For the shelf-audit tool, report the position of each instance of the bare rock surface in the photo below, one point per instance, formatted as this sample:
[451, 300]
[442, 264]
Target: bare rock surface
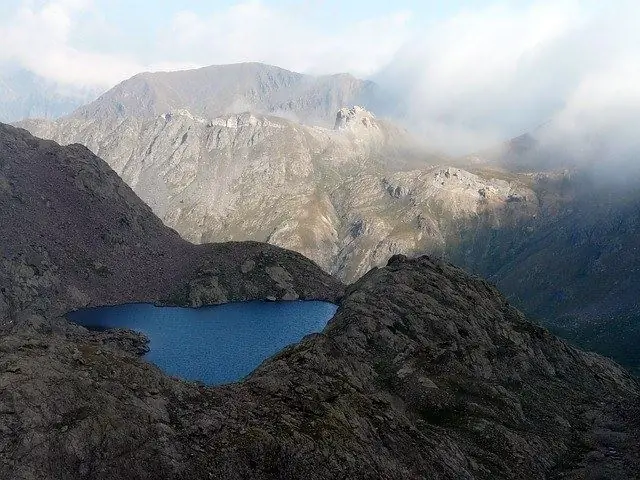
[424, 372]
[348, 197]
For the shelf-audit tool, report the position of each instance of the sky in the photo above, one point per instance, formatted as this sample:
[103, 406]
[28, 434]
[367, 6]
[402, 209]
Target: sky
[471, 72]
[100, 42]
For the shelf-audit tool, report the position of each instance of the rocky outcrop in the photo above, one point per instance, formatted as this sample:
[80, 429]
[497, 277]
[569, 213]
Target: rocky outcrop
[424, 372]
[354, 118]
[239, 271]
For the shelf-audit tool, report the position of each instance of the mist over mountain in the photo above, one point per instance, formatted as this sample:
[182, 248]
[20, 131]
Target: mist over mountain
[221, 89]
[463, 79]
[25, 95]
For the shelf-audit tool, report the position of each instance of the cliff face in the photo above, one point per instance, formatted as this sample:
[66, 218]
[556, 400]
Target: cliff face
[424, 372]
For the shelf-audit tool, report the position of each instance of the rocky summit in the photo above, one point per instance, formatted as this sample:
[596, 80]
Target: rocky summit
[224, 89]
[424, 371]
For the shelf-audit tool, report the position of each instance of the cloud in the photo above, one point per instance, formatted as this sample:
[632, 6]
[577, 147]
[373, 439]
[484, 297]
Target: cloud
[465, 82]
[604, 105]
[253, 31]
[478, 76]
[37, 37]
[489, 74]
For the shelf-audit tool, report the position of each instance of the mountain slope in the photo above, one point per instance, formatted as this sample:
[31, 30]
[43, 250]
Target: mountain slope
[424, 372]
[576, 266]
[347, 197]
[74, 235]
[236, 88]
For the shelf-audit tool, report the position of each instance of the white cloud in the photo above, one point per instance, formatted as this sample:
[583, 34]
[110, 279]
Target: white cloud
[37, 38]
[473, 76]
[468, 81]
[599, 121]
[253, 31]
[489, 74]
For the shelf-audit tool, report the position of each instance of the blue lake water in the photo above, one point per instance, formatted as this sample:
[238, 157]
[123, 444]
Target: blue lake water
[214, 345]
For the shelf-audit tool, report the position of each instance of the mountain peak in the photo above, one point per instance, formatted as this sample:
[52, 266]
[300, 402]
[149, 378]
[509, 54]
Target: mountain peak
[353, 118]
[216, 90]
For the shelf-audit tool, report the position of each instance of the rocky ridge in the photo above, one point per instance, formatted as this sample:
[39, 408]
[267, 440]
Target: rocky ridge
[348, 198]
[424, 372]
[75, 235]
[226, 89]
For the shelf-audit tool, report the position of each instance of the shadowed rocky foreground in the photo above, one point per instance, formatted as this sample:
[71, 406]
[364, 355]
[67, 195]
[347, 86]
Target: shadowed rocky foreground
[424, 372]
